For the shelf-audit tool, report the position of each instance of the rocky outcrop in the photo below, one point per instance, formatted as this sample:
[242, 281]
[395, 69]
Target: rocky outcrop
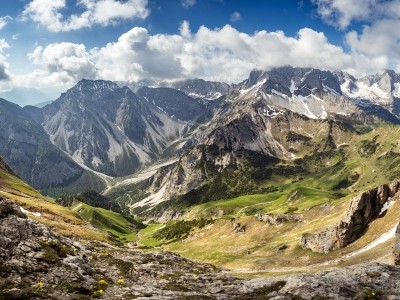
[396, 247]
[33, 259]
[279, 219]
[238, 228]
[363, 209]
[366, 281]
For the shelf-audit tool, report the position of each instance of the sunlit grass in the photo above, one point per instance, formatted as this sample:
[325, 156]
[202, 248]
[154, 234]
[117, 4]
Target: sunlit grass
[59, 218]
[108, 221]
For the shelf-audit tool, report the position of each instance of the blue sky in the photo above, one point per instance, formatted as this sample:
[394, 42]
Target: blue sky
[51, 44]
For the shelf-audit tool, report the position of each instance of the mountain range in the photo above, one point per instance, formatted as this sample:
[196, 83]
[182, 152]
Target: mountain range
[221, 140]
[102, 127]
[217, 140]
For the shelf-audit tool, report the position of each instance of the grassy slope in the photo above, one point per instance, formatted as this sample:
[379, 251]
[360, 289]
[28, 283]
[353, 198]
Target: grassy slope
[60, 218]
[321, 196]
[119, 228]
[66, 221]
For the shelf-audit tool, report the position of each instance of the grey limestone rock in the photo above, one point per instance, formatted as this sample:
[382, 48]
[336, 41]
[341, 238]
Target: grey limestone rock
[363, 209]
[279, 219]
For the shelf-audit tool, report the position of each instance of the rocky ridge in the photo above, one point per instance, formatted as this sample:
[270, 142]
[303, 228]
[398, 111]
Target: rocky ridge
[365, 281]
[363, 209]
[321, 94]
[199, 88]
[115, 131]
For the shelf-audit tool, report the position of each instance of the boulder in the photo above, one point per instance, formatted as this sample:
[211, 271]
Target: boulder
[238, 228]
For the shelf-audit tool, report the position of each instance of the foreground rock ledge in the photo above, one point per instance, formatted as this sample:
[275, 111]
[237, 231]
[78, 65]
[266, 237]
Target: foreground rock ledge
[367, 281]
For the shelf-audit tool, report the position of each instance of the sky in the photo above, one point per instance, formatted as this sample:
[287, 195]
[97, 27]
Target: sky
[50, 45]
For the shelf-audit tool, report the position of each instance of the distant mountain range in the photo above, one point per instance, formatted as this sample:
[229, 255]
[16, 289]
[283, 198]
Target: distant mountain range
[98, 127]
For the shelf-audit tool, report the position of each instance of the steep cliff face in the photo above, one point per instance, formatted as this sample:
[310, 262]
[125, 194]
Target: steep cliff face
[363, 209]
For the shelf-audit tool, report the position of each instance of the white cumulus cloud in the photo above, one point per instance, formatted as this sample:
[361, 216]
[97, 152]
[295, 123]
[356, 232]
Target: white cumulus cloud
[223, 54]
[341, 13]
[48, 13]
[378, 40]
[137, 54]
[63, 63]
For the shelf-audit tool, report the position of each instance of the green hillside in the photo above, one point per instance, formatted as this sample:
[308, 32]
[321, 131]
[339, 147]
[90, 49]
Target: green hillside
[44, 209]
[117, 226]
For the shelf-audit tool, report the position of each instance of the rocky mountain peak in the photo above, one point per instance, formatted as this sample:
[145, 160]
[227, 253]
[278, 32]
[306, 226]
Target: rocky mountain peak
[98, 86]
[254, 77]
[381, 88]
[297, 81]
[307, 91]
[10, 108]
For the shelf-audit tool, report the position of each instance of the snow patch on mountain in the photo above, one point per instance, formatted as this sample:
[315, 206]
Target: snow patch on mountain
[212, 96]
[292, 87]
[253, 89]
[303, 101]
[370, 92]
